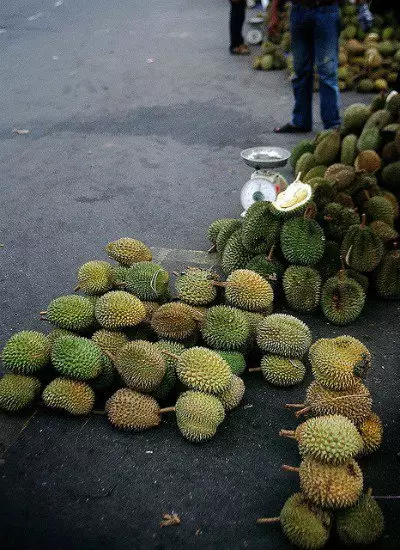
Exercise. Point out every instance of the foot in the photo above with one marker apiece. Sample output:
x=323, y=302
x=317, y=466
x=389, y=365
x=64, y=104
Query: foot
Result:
x=291, y=129
x=243, y=49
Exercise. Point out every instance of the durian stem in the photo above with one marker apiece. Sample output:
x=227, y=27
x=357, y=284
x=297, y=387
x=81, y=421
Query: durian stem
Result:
x=287, y=468
x=212, y=249
x=42, y=312
x=369, y=492
x=121, y=284
x=109, y=355
x=288, y=433
x=78, y=287
x=175, y=274
x=167, y=410
x=328, y=218
x=271, y=253
x=363, y=221
x=169, y=354
x=295, y=405
x=220, y=283
x=303, y=411
x=268, y=520
x=255, y=369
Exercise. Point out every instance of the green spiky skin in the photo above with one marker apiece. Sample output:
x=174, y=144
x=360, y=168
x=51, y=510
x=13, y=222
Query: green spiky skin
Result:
x=302, y=241
x=362, y=249
x=328, y=149
x=198, y=415
x=361, y=524
x=306, y=162
x=316, y=172
x=225, y=328
x=285, y=335
x=96, y=277
x=225, y=233
x=26, y=352
x=195, y=287
x=215, y=228
x=260, y=229
x=370, y=139
x=337, y=220
x=235, y=255
x=176, y=321
x=119, y=309
x=75, y=313
x=141, y=366
x=17, y=391
x=235, y=360
x=282, y=371
x=169, y=380
x=342, y=300
x=302, y=288
x=391, y=176
x=388, y=276
x=76, y=398
x=127, y=251
x=58, y=333
x=147, y=281
x=323, y=192
x=361, y=279
x=129, y=410
x=248, y=291
x=329, y=264
x=203, y=370
x=304, y=146
x=77, y=358
x=109, y=341
x=106, y=377
x=379, y=208
x=233, y=395
x=355, y=117
x=120, y=275
x=267, y=267
x=384, y=231
x=305, y=525
x=349, y=150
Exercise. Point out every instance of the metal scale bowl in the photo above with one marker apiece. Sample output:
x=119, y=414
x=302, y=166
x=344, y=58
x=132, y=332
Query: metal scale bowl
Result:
x=265, y=183
x=255, y=34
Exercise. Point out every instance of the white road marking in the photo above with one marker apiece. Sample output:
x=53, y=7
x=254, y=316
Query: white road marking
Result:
x=2, y=31
x=35, y=16
x=58, y=3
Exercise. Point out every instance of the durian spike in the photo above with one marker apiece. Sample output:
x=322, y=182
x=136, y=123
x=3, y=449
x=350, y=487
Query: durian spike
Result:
x=288, y=433
x=255, y=369
x=78, y=287
x=212, y=249
x=295, y=405
x=268, y=520
x=287, y=468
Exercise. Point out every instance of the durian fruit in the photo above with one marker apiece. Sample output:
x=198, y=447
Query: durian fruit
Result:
x=337, y=220
x=198, y=415
x=225, y=328
x=127, y=251
x=341, y=175
x=226, y=232
x=235, y=360
x=328, y=149
x=175, y=321
x=324, y=192
x=129, y=410
x=303, y=146
x=260, y=228
x=368, y=161
x=203, y=370
x=388, y=276
x=249, y=291
x=302, y=288
x=365, y=86
x=393, y=105
x=348, y=152
x=361, y=248
x=214, y=229
x=141, y=366
x=268, y=267
x=169, y=380
x=362, y=524
x=284, y=335
x=371, y=431
x=233, y=395
x=17, y=391
x=77, y=358
x=331, y=439
x=110, y=342
x=120, y=275
x=370, y=138
x=384, y=231
x=147, y=281
x=316, y=172
x=379, y=208
x=119, y=309
x=391, y=176
x=305, y=163
x=355, y=117
x=302, y=240
x=58, y=333
x=338, y=362
x=293, y=201
x=305, y=525
x=26, y=352
x=282, y=371
x=74, y=397
x=254, y=320
x=235, y=255
x=107, y=376
x=329, y=264
x=96, y=277
x=195, y=286
x=342, y=299
x=75, y=313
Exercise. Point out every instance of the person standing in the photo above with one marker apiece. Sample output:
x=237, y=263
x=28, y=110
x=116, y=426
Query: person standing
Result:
x=315, y=29
x=238, y=12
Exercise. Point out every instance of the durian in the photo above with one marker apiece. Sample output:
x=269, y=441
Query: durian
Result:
x=198, y=415
x=75, y=313
x=175, y=321
x=282, y=334
x=282, y=371
x=361, y=248
x=342, y=299
x=74, y=397
x=225, y=328
x=247, y=290
x=388, y=276
x=26, y=352
x=302, y=288
x=147, y=281
x=260, y=228
x=371, y=431
x=17, y=391
x=235, y=360
x=129, y=410
x=362, y=524
x=127, y=251
x=204, y=370
x=141, y=366
x=109, y=341
x=77, y=358
x=235, y=255
x=195, y=286
x=96, y=277
x=119, y=309
x=302, y=241
x=233, y=395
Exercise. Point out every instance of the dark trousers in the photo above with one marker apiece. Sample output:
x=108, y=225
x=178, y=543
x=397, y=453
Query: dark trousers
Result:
x=238, y=10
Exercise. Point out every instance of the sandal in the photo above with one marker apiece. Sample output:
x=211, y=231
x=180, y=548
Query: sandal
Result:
x=291, y=129
x=243, y=49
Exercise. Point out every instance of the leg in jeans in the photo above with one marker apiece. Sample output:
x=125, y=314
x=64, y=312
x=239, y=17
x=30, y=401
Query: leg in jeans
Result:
x=238, y=10
x=326, y=36
x=303, y=61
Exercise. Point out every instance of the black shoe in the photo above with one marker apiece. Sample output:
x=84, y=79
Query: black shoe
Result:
x=291, y=129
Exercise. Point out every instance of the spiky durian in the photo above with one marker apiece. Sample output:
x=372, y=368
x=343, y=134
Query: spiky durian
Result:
x=362, y=249
x=17, y=391
x=306, y=162
x=355, y=117
x=254, y=320
x=175, y=321
x=120, y=275
x=26, y=352
x=362, y=524
x=58, y=333
x=109, y=341
x=74, y=397
x=198, y=415
x=147, y=280
x=371, y=430
x=349, y=150
x=284, y=335
x=204, y=370
x=388, y=276
x=316, y=172
x=129, y=410
x=235, y=255
x=127, y=251
x=293, y=201
x=328, y=149
x=96, y=277
x=77, y=358
x=302, y=241
x=75, y=313
x=323, y=192
x=282, y=371
x=226, y=232
x=379, y=208
x=119, y=309
x=384, y=231
x=235, y=360
x=169, y=380
x=368, y=161
x=107, y=376
x=390, y=176
x=233, y=395
x=342, y=299
x=341, y=175
x=260, y=228
x=215, y=228
x=304, y=146
x=268, y=267
x=302, y=288
x=248, y=290
x=225, y=328
x=141, y=365
x=329, y=264
x=337, y=220
x=195, y=286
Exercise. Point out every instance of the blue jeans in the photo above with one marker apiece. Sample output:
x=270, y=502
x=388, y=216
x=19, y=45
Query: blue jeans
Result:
x=315, y=41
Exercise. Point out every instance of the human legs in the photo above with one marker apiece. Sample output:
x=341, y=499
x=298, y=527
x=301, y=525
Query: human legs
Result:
x=238, y=10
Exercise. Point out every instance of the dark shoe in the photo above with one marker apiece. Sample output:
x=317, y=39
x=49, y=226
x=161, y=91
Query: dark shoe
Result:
x=243, y=49
x=291, y=129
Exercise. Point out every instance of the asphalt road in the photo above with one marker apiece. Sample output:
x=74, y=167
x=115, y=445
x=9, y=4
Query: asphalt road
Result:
x=136, y=116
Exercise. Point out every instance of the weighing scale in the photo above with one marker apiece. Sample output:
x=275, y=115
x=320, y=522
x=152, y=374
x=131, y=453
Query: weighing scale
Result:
x=265, y=183
x=255, y=34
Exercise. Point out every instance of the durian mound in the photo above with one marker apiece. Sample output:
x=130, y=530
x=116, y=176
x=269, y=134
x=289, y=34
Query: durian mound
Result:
x=331, y=486
x=195, y=287
x=127, y=251
x=109, y=341
x=96, y=277
x=203, y=370
x=175, y=321
x=169, y=380
x=129, y=410
x=140, y=365
x=361, y=524
x=336, y=362
x=119, y=309
x=371, y=430
x=198, y=415
x=77, y=358
x=355, y=403
x=147, y=280
x=331, y=439
x=74, y=397
x=249, y=291
x=225, y=328
x=26, y=352
x=305, y=525
x=235, y=360
x=293, y=201
x=282, y=371
x=17, y=392
x=282, y=334
x=72, y=312
x=233, y=395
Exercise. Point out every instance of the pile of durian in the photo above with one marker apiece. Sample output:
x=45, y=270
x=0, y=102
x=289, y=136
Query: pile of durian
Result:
x=330, y=237
x=369, y=62
x=342, y=427
x=124, y=345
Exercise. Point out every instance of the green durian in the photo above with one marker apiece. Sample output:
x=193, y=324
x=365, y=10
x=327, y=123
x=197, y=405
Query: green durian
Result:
x=342, y=299
x=329, y=264
x=391, y=176
x=195, y=286
x=362, y=524
x=306, y=162
x=302, y=288
x=225, y=328
x=379, y=208
x=233, y=395
x=304, y=146
x=260, y=229
x=141, y=366
x=198, y=415
x=249, y=291
x=147, y=281
x=302, y=240
x=118, y=309
x=76, y=358
x=361, y=248
x=282, y=371
x=225, y=233
x=349, y=151
x=355, y=117
x=235, y=360
x=96, y=277
x=75, y=313
x=203, y=370
x=17, y=391
x=235, y=255
x=285, y=335
x=127, y=251
x=328, y=150
x=26, y=352
x=76, y=398
x=388, y=276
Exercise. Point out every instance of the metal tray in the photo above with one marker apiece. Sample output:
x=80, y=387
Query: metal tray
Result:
x=265, y=157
